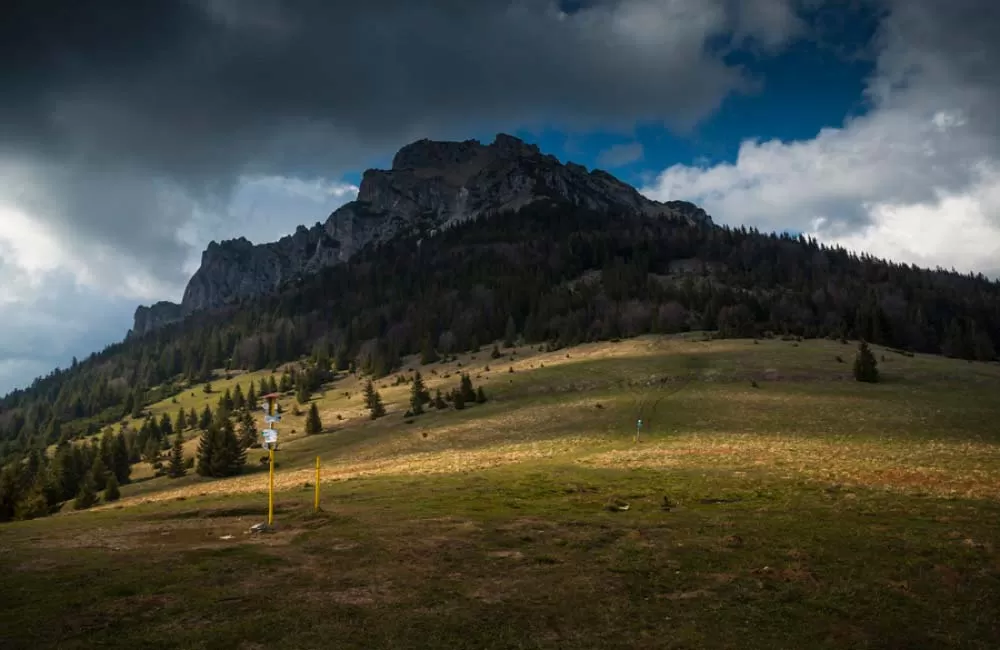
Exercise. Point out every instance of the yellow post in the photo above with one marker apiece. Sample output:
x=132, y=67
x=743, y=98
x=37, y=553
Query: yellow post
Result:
x=270, y=489
x=316, y=499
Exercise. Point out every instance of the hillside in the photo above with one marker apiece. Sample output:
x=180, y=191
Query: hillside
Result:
x=584, y=260
x=772, y=500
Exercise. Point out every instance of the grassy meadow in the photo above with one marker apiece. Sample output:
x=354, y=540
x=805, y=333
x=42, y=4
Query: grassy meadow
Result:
x=770, y=502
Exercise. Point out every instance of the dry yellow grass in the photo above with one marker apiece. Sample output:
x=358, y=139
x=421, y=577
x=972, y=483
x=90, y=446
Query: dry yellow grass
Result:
x=933, y=467
x=806, y=431
x=412, y=464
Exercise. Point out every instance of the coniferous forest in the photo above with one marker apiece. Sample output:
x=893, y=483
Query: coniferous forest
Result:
x=550, y=273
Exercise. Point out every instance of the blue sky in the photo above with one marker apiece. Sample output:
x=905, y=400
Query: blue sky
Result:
x=869, y=124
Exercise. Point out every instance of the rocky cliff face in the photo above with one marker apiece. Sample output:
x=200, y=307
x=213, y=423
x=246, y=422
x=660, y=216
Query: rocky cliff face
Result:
x=431, y=185
x=436, y=184
x=147, y=319
x=237, y=269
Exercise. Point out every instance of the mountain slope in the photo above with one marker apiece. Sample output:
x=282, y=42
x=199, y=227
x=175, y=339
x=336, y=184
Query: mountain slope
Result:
x=432, y=185
x=552, y=274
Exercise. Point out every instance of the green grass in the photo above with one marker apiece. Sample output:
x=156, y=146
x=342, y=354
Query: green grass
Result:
x=810, y=512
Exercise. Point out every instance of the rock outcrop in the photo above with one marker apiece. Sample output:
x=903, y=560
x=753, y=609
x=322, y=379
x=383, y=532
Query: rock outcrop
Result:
x=147, y=319
x=436, y=184
x=432, y=185
x=237, y=269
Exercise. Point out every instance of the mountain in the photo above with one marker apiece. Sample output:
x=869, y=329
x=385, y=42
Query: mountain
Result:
x=556, y=257
x=432, y=186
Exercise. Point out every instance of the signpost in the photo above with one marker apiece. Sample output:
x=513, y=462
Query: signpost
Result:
x=270, y=435
x=638, y=427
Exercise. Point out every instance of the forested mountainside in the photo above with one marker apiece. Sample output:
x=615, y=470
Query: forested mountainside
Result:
x=432, y=185
x=550, y=273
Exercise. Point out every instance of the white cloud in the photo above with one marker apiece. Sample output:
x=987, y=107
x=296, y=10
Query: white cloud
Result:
x=66, y=292
x=914, y=180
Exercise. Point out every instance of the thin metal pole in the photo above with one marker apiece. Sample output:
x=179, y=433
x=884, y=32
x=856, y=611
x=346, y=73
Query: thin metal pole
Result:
x=270, y=489
x=316, y=499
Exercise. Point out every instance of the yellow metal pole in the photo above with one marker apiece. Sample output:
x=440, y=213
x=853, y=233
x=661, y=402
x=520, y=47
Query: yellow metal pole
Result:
x=270, y=489
x=316, y=499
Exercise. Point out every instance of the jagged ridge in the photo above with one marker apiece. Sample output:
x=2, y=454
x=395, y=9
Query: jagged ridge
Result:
x=431, y=185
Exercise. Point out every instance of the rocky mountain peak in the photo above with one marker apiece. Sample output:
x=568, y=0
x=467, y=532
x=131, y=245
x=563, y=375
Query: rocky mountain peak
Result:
x=431, y=185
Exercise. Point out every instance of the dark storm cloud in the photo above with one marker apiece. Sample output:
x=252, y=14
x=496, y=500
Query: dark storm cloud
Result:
x=195, y=86
x=122, y=117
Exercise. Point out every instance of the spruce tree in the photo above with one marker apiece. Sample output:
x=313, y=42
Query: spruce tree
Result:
x=439, y=401
x=204, y=455
x=248, y=429
x=302, y=392
x=466, y=389
x=373, y=401
x=176, y=467
x=459, y=400
x=251, y=402
x=111, y=491
x=206, y=418
x=313, y=424
x=137, y=404
x=99, y=473
x=121, y=467
x=86, y=497
x=151, y=452
x=207, y=387
x=227, y=456
x=227, y=401
x=239, y=400
x=181, y=421
x=65, y=472
x=418, y=394
x=480, y=396
x=166, y=426
x=193, y=419
x=865, y=366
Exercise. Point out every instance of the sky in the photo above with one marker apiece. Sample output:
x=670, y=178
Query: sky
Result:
x=133, y=133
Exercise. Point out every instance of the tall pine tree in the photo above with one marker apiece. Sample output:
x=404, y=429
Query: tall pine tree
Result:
x=865, y=366
x=248, y=429
x=373, y=401
x=313, y=424
x=418, y=394
x=176, y=467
